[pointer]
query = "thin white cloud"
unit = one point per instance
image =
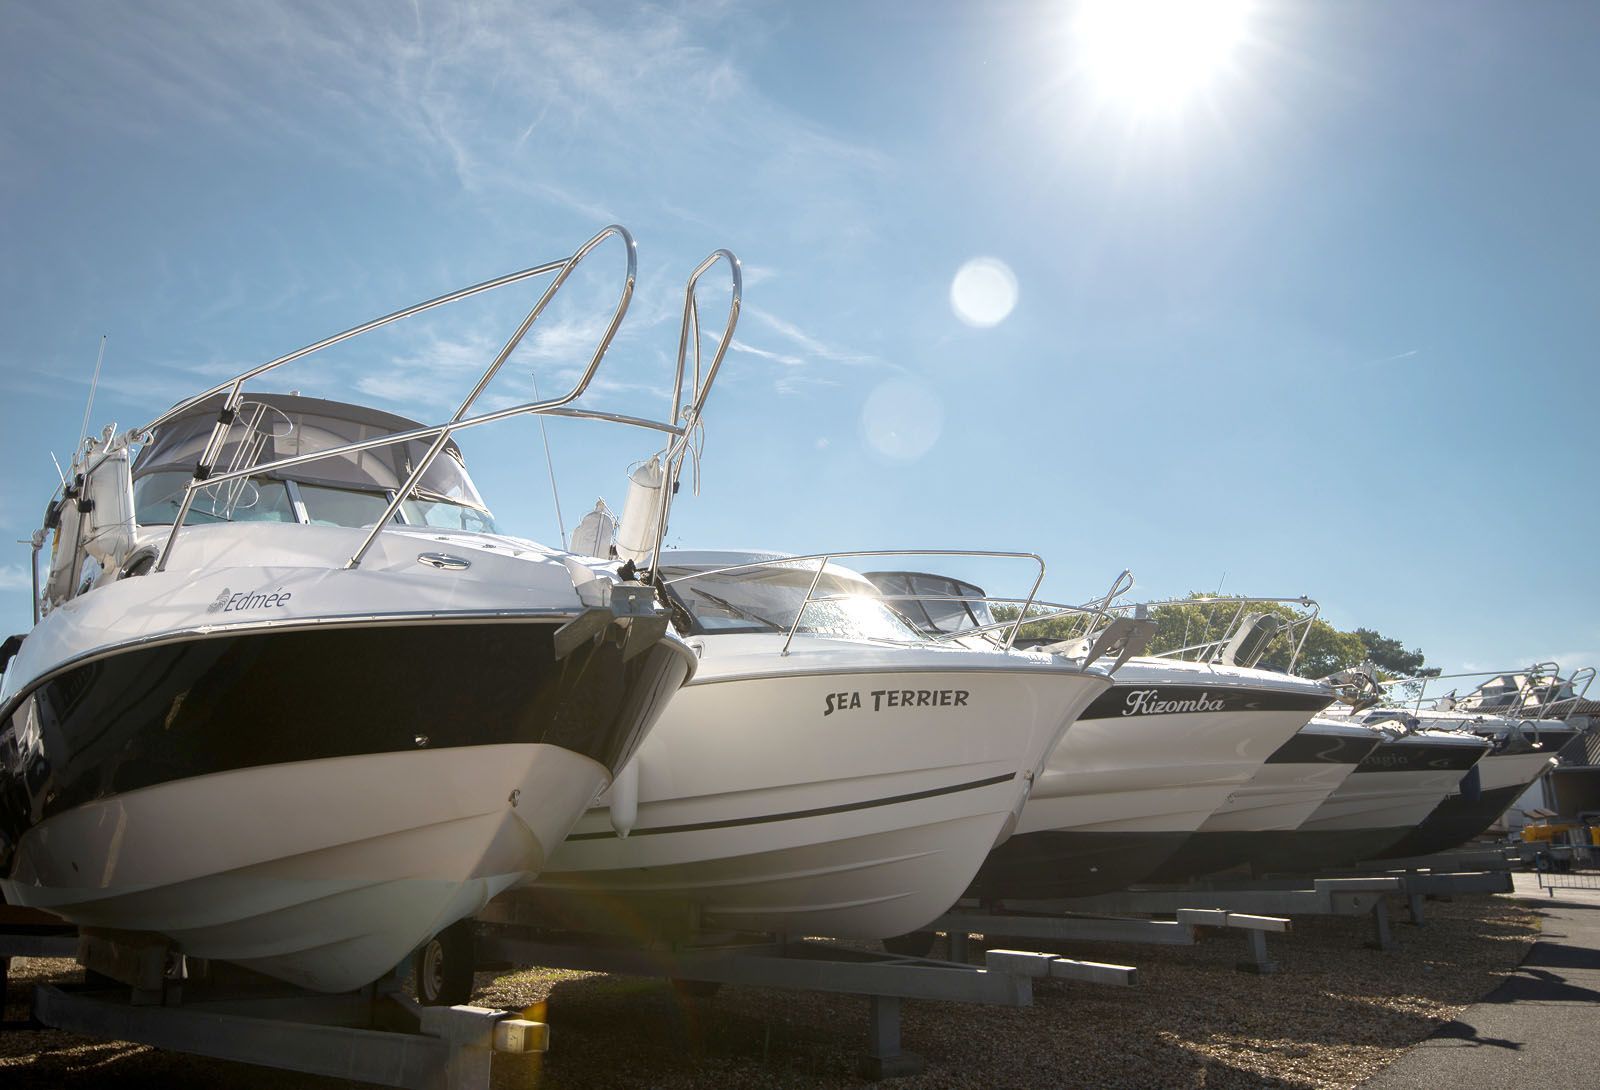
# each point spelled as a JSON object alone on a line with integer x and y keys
{"x": 497, "y": 95}
{"x": 803, "y": 359}
{"x": 794, "y": 383}
{"x": 15, "y": 577}
{"x": 808, "y": 344}
{"x": 1396, "y": 358}
{"x": 776, "y": 357}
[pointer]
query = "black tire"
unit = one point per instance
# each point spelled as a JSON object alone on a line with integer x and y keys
{"x": 914, "y": 944}
{"x": 443, "y": 967}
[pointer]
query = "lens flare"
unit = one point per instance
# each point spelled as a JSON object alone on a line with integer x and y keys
{"x": 902, "y": 419}
{"x": 983, "y": 292}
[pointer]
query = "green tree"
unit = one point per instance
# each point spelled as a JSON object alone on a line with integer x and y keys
{"x": 1182, "y": 626}
{"x": 1326, "y": 650}
{"x": 1391, "y": 656}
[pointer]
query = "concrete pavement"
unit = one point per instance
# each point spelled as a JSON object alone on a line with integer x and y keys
{"x": 1540, "y": 1028}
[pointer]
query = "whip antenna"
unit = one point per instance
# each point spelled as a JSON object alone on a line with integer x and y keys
{"x": 83, "y": 432}
{"x": 560, "y": 524}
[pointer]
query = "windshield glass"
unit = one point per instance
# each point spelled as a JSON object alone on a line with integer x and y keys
{"x": 156, "y": 497}
{"x": 917, "y": 595}
{"x": 766, "y": 599}
{"x": 341, "y": 506}
{"x": 446, "y": 515}
{"x": 348, "y": 489}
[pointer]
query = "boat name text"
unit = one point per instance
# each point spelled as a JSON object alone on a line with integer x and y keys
{"x": 897, "y": 698}
{"x": 1144, "y": 702}
{"x": 229, "y": 602}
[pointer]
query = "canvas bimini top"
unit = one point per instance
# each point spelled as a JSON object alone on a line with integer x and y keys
{"x": 352, "y": 489}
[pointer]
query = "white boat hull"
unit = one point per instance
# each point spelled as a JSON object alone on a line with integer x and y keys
{"x": 323, "y": 873}
{"x": 1137, "y": 775}
{"x": 759, "y": 809}
{"x": 1388, "y": 795}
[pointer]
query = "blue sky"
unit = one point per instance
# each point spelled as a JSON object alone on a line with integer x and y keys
{"x": 1326, "y": 325}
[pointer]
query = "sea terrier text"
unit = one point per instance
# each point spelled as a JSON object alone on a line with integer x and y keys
{"x": 897, "y": 698}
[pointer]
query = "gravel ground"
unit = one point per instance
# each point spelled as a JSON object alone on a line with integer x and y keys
{"x": 1334, "y": 1015}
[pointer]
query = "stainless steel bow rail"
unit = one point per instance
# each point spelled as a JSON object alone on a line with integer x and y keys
{"x": 1535, "y": 700}
{"x": 1536, "y": 696}
{"x": 686, "y": 419}
{"x": 1294, "y": 630}
{"x": 1207, "y": 649}
{"x": 822, "y": 560}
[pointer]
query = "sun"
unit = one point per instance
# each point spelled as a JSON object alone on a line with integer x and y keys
{"x": 1155, "y": 56}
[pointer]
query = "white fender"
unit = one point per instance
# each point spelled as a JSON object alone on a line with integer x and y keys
{"x": 65, "y": 555}
{"x": 595, "y": 532}
{"x": 108, "y": 526}
{"x": 646, "y": 493}
{"x": 625, "y": 798}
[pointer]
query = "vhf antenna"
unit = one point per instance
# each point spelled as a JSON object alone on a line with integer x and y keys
{"x": 549, "y": 465}
{"x": 83, "y": 431}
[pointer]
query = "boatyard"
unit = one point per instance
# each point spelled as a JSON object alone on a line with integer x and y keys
{"x": 1032, "y": 545}
{"x": 1336, "y": 1014}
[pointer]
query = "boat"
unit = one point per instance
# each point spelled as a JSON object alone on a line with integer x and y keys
{"x": 1256, "y": 826}
{"x": 829, "y": 770}
{"x": 1392, "y": 790}
{"x": 1153, "y": 758}
{"x": 292, "y": 700}
{"x": 1143, "y": 769}
{"x": 1520, "y": 715}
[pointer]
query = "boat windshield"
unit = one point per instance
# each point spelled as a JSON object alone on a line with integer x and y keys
{"x": 766, "y": 599}
{"x": 156, "y": 497}
{"x": 933, "y": 610}
{"x": 348, "y": 489}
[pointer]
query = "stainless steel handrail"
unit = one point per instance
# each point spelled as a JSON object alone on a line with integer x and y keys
{"x": 1303, "y": 623}
{"x": 1055, "y": 610}
{"x": 690, "y": 415}
{"x": 440, "y": 435}
{"x": 404, "y": 492}
{"x": 827, "y": 558}
{"x": 234, "y": 386}
{"x": 1546, "y": 675}
{"x": 1578, "y": 695}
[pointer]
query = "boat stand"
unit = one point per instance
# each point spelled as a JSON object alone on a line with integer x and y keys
{"x": 1356, "y": 894}
{"x": 1054, "y": 922}
{"x": 1425, "y": 879}
{"x": 1361, "y": 896}
{"x": 25, "y": 933}
{"x": 1005, "y": 979}
{"x": 137, "y": 990}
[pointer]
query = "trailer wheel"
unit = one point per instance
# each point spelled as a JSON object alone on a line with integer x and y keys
{"x": 444, "y": 966}
{"x": 914, "y": 944}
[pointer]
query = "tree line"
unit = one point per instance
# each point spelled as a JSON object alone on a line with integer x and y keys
{"x": 1196, "y": 625}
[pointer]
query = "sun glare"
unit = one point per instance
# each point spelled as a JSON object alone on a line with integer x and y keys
{"x": 1153, "y": 56}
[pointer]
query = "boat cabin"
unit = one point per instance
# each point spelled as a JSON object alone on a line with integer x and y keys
{"x": 350, "y": 489}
